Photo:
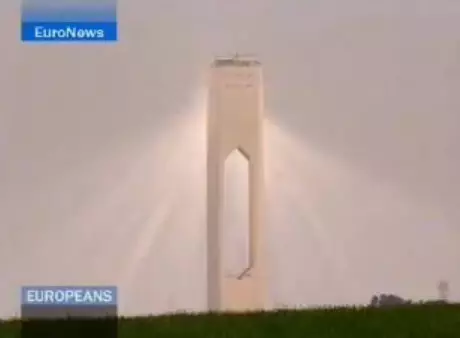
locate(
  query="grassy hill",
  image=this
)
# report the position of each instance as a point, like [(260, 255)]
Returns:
[(430, 321)]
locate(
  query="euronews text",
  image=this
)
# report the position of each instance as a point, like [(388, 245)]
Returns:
[(78, 31), (68, 32)]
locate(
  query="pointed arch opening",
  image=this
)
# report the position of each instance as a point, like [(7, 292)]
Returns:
[(236, 211)]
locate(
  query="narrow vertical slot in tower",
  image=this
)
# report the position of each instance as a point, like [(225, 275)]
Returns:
[(235, 230)]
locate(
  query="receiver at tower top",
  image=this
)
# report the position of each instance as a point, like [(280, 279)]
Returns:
[(236, 60)]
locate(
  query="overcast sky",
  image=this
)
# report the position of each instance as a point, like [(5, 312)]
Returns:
[(102, 146)]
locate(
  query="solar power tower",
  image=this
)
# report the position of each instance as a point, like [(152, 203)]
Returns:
[(235, 124)]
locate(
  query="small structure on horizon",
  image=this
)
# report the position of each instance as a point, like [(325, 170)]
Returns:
[(443, 290)]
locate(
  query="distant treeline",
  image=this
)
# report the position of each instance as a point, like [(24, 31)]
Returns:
[(384, 300)]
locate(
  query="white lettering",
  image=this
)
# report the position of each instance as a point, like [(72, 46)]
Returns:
[(59, 296), (49, 296), (39, 32), (78, 296), (70, 295), (107, 296), (97, 297), (81, 34), (61, 33), (30, 296), (39, 296), (88, 298), (69, 32)]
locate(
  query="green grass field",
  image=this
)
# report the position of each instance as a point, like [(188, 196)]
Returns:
[(430, 321)]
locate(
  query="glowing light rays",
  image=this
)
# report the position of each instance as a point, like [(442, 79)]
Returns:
[(352, 216), (288, 160), (143, 228)]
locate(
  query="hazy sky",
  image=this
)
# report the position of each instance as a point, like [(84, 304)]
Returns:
[(101, 146)]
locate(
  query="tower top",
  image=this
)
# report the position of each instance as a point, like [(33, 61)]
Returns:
[(238, 60)]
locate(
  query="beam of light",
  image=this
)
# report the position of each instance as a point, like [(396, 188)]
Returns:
[(351, 218), (143, 204), (328, 224), (289, 160), (171, 237)]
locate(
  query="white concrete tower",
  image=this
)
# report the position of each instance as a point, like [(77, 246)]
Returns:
[(235, 122)]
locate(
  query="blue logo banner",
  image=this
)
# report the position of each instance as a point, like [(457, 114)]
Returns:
[(69, 21)]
